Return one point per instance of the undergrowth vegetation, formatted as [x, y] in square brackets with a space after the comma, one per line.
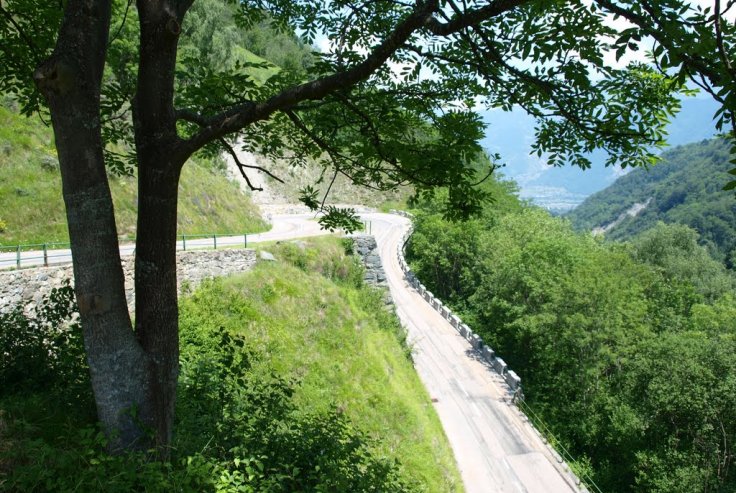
[293, 378]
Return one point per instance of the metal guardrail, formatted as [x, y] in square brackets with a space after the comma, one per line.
[182, 239]
[556, 445]
[50, 253]
[542, 429]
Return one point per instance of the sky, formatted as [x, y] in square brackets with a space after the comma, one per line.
[559, 189]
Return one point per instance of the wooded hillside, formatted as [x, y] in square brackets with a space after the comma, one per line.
[626, 350]
[685, 188]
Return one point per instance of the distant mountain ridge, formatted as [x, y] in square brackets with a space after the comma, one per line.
[561, 189]
[685, 188]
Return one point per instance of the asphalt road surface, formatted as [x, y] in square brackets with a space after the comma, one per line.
[495, 447]
[284, 227]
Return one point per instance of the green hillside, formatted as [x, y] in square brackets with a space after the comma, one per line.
[32, 208]
[686, 188]
[293, 378]
[627, 351]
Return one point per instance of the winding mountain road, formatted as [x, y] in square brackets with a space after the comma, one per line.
[495, 447]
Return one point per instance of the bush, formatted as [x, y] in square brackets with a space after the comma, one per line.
[44, 351]
[335, 262]
[238, 428]
[259, 440]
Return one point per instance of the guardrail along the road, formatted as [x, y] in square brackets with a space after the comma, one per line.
[495, 362]
[45, 254]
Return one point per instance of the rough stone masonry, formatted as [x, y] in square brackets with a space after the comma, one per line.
[366, 248]
[29, 286]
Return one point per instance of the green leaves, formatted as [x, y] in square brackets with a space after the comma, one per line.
[309, 197]
[44, 351]
[28, 29]
[336, 218]
[732, 184]
[627, 351]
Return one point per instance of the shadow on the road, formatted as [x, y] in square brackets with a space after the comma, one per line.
[476, 355]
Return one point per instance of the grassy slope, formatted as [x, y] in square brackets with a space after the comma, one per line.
[346, 351]
[32, 208]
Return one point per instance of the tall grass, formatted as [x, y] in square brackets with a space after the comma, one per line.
[32, 208]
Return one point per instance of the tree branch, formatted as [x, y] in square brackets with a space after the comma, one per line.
[191, 116]
[240, 116]
[242, 167]
[719, 41]
[659, 35]
[21, 33]
[473, 17]
[421, 17]
[329, 187]
[122, 24]
[331, 152]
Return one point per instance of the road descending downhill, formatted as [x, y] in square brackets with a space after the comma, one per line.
[496, 449]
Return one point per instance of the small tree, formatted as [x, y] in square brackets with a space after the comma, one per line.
[391, 102]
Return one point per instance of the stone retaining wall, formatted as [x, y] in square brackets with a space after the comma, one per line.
[29, 286]
[367, 249]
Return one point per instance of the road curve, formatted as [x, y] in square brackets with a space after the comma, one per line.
[496, 448]
[284, 226]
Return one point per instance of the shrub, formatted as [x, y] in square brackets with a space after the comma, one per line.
[238, 427]
[335, 262]
[258, 437]
[44, 351]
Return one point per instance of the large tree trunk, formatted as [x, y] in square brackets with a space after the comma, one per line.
[159, 165]
[70, 80]
[134, 373]
[157, 322]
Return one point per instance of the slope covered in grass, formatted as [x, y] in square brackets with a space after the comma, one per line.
[311, 320]
[293, 378]
[32, 208]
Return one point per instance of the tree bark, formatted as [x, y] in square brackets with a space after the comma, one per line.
[159, 165]
[157, 316]
[134, 373]
[70, 80]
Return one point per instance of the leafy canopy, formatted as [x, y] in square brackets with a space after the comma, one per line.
[395, 96]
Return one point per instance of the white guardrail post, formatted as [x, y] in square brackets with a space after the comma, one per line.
[510, 378]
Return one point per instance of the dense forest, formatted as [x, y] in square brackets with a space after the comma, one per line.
[685, 188]
[626, 350]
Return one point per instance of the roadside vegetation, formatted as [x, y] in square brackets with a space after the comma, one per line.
[626, 350]
[294, 377]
